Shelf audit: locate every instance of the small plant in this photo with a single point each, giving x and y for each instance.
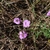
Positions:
(46, 32)
(43, 30)
(26, 24)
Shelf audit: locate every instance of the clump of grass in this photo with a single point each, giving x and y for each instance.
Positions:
(42, 28)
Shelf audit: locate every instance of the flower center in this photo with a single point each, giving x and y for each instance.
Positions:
(17, 20)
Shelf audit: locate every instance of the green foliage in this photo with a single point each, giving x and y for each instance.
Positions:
(37, 34)
(46, 32)
(43, 30)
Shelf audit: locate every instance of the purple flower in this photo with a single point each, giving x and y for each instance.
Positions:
(16, 21)
(26, 23)
(48, 14)
(22, 35)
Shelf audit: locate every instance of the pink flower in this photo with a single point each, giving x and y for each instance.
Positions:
(26, 23)
(22, 35)
(48, 14)
(16, 21)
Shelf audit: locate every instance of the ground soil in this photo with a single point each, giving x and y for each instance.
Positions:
(9, 9)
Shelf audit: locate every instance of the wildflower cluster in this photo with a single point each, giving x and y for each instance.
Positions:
(26, 24)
